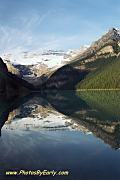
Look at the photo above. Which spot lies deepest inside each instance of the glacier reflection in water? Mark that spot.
(62, 131)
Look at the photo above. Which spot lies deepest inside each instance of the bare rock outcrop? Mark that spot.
(111, 39)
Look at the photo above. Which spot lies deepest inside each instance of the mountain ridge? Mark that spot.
(90, 62)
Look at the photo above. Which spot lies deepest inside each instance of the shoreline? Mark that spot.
(98, 90)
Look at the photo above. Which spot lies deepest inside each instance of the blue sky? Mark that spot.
(54, 24)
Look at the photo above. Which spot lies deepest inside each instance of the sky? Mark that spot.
(32, 25)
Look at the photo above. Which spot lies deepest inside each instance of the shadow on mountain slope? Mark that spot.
(65, 78)
(11, 85)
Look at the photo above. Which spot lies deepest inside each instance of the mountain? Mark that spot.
(30, 66)
(91, 67)
(96, 67)
(10, 84)
(102, 60)
(106, 45)
(34, 64)
(51, 58)
(37, 67)
(65, 78)
(107, 76)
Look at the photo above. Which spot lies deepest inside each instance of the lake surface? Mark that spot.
(62, 131)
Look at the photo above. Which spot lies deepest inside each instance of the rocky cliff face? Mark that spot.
(108, 43)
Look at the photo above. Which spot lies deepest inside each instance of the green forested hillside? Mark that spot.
(106, 75)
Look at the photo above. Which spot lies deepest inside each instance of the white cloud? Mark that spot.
(22, 37)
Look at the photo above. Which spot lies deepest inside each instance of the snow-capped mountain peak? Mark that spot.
(51, 58)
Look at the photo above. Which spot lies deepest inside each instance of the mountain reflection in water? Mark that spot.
(60, 117)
